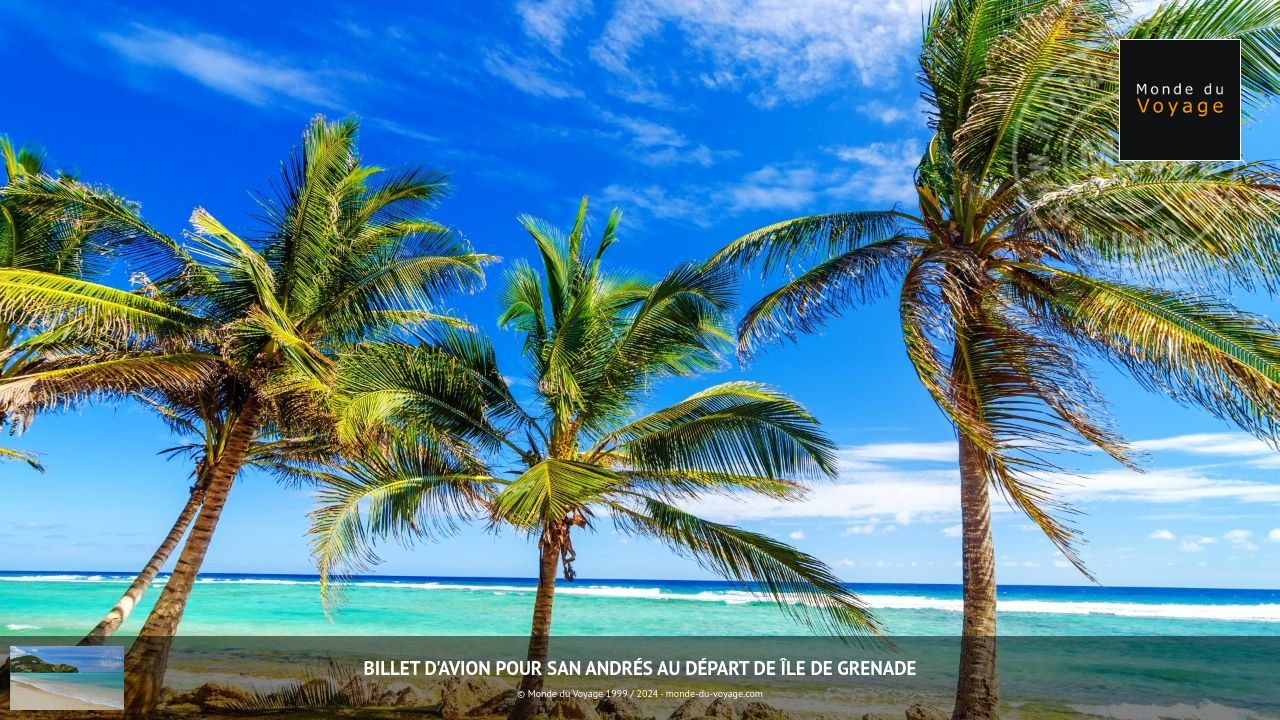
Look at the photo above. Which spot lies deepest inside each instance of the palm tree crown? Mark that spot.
(594, 344)
(73, 241)
(457, 443)
(1031, 249)
(240, 335)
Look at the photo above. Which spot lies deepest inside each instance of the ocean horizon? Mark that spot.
(52, 603)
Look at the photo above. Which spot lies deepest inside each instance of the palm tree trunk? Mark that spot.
(146, 661)
(527, 704)
(129, 600)
(977, 688)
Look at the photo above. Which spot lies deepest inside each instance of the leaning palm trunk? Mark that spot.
(977, 687)
(133, 595)
(146, 661)
(527, 704)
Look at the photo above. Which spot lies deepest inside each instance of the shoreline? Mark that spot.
(23, 696)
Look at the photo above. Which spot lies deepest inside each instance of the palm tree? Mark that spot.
(63, 230)
(59, 226)
(1032, 247)
(594, 343)
(341, 259)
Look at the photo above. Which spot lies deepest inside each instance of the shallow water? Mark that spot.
(44, 604)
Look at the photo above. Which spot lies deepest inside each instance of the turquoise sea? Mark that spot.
(65, 603)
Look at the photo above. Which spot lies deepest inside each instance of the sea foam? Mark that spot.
(1261, 612)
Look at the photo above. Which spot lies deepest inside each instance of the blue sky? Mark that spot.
(701, 119)
(87, 659)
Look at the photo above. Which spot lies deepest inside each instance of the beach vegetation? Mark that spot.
(34, 664)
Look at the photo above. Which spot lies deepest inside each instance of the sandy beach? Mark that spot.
(28, 697)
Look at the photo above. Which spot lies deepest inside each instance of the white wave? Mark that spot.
(1181, 611)
(20, 626)
(1206, 710)
(65, 578)
(253, 581)
(1252, 613)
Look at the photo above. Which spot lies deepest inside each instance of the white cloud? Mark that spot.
(877, 486)
(953, 531)
(30, 525)
(1195, 544)
(548, 20)
(781, 50)
(774, 188)
(656, 144)
(1234, 444)
(1141, 8)
(882, 172)
(1175, 485)
(884, 112)
(868, 497)
(1062, 563)
(217, 63)
(655, 201)
(946, 451)
(404, 130)
(796, 535)
(878, 173)
(1242, 539)
(864, 529)
(528, 76)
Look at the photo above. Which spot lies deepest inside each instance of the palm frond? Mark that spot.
(680, 485)
(736, 428)
(1198, 350)
(1042, 74)
(406, 493)
(959, 35)
(997, 380)
(1211, 222)
(450, 385)
(550, 490)
(805, 303)
(22, 457)
(70, 381)
(33, 298)
(815, 237)
(799, 584)
(412, 276)
(1256, 23)
(97, 218)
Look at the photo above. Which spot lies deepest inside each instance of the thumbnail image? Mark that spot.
(66, 678)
